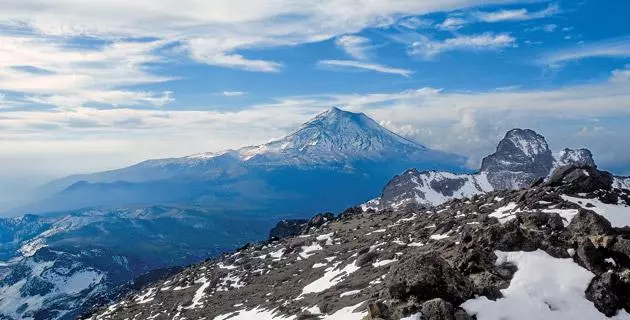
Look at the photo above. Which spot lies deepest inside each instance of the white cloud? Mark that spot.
(217, 52)
(549, 28)
(428, 48)
(50, 72)
(516, 15)
(414, 23)
(611, 48)
(355, 46)
(233, 93)
(621, 75)
(46, 35)
(456, 22)
(214, 31)
(453, 23)
(365, 66)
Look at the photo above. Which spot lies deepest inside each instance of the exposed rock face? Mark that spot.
(521, 157)
(579, 157)
(429, 188)
(438, 262)
(574, 179)
(287, 228)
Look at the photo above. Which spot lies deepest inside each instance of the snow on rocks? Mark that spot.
(555, 294)
(333, 276)
(618, 214)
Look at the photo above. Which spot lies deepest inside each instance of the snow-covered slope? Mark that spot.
(521, 158)
(580, 157)
(332, 137)
(58, 265)
(530, 254)
(622, 182)
(430, 188)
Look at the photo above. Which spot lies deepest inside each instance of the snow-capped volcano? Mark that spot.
(333, 136)
(334, 145)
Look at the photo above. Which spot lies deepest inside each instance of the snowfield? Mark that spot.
(543, 288)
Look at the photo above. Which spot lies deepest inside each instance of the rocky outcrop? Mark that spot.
(522, 158)
(465, 259)
(287, 228)
(579, 157)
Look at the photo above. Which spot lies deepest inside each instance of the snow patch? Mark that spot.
(556, 294)
(617, 214)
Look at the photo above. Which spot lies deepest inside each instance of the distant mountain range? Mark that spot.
(331, 162)
(521, 158)
(57, 266)
(149, 217)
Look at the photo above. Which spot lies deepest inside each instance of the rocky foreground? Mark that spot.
(557, 250)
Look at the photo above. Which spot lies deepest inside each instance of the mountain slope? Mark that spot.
(346, 148)
(57, 266)
(478, 257)
(522, 157)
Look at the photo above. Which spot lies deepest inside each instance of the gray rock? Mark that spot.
(437, 309)
(603, 292)
(587, 222)
(576, 179)
(287, 228)
(591, 258)
(428, 276)
(521, 158)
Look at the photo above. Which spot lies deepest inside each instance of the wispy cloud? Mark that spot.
(621, 75)
(365, 66)
(460, 20)
(414, 23)
(215, 32)
(549, 28)
(611, 48)
(453, 23)
(427, 48)
(355, 46)
(48, 72)
(516, 15)
(233, 93)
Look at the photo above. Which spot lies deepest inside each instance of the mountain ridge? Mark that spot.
(522, 157)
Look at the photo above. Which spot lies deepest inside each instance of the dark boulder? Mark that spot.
(366, 258)
(437, 309)
(587, 222)
(590, 257)
(287, 228)
(603, 292)
(573, 179)
(428, 276)
(320, 219)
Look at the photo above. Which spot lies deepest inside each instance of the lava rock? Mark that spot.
(587, 222)
(287, 228)
(575, 179)
(437, 309)
(428, 276)
(603, 292)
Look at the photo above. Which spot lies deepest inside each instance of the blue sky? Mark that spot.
(94, 85)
